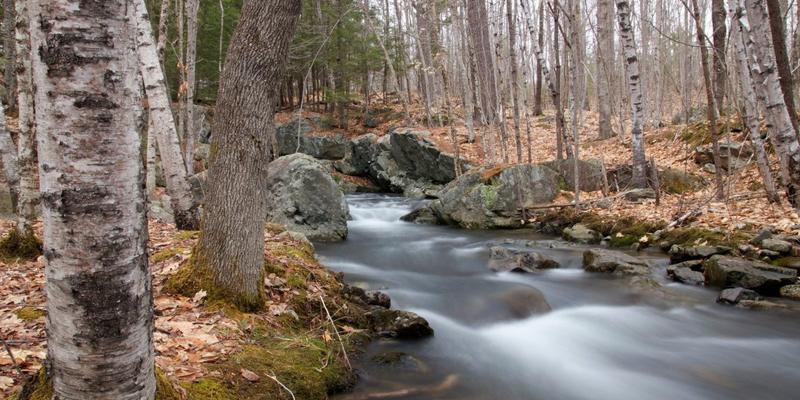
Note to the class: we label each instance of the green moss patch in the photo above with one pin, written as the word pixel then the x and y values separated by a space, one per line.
pixel 29 314
pixel 624 231
pixel 20 246
pixel 695 236
pixel 38 387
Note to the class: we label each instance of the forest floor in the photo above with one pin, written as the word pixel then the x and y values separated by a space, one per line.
pixel 209 351
pixel 671 146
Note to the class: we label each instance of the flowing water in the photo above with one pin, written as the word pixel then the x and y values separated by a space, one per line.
pixel 602 339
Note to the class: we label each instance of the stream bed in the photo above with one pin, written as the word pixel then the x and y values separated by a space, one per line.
pixel 602 340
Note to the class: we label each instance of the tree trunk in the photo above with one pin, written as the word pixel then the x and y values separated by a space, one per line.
pixel 778 31
pixel 751 106
pixel 605 65
pixel 26 155
pixel 98 285
pixel 231 245
pixel 163 20
pixel 639 179
pixel 478 28
pixel 8 157
pixel 781 132
pixel 537 96
pixel 10 52
pixel 192 8
pixel 512 55
pixel 439 58
pixel 720 70
pixel 186 212
pixel 711 105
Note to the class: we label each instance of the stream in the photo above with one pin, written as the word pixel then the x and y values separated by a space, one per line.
pixel 602 340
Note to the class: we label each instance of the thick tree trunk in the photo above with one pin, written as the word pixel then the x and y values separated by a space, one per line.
pixel 605 63
pixel 192 8
pixel 9 21
pixel 99 298
pixel 757 34
pixel 186 212
pixel 231 246
pixel 537 95
pixel 26 155
pixel 478 28
pixel 639 179
pixel 751 106
pixel 711 103
pixel 512 58
pixel 778 31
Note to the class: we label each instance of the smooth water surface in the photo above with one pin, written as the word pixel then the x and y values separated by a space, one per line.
pixel 602 339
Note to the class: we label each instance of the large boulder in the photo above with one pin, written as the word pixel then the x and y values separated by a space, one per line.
pixel 421 159
pixel 590 173
pixel 302 196
pixel 524 301
pixel 322 147
pixel 398 324
pixel 504 259
pixel 724 272
pixel 615 262
pixel 732 155
pixel 488 199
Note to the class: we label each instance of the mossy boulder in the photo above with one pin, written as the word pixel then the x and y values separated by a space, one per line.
pixel 492 198
pixel 590 173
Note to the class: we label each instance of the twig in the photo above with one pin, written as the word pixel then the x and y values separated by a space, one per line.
pixel 336 330
pixel 13 360
pixel 275 378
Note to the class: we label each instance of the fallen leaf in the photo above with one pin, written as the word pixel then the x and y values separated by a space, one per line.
pixel 199 296
pixel 250 375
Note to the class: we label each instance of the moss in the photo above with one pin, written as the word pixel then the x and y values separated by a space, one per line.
pixel 38 387
pixel 186 235
pixel 207 389
pixel 694 236
pixel 15 245
pixel 164 388
pixel 489 195
pixel 786 261
pixel 28 313
pixel 623 240
pixel 195 275
pixel 166 254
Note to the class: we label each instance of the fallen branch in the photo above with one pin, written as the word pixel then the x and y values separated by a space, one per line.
pixel 336 330
pixel 13 360
pixel 275 378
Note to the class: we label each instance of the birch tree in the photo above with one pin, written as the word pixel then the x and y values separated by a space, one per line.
pixel 230 251
pixel 98 287
pixel 192 8
pixel 10 52
pixel 755 30
pixel 512 58
pixel 639 179
pixel 605 58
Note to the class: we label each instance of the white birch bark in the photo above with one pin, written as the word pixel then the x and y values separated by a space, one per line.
pixel 186 213
pixel 192 8
pixel 99 299
pixel 635 89
pixel 26 157
pixel 755 30
pixel 750 105
pixel 8 157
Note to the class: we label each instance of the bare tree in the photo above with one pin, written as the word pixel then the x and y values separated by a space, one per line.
pixel 639 179
pixel 605 60
pixel 718 56
pixel 778 33
pixel 192 8
pixel 10 52
pixel 163 124
pixel 512 58
pixel 99 297
pixel 756 34
pixel 230 251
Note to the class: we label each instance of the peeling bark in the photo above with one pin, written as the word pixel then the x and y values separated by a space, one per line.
pixel 186 212
pixel 99 299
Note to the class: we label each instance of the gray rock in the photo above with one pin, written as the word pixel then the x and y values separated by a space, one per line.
pixel 685 275
pixel 398 324
pixel 322 147
pixel 710 168
pixel 615 262
pixel 197 183
pixel 589 171
pixel 640 194
pixel 420 159
pixel 760 236
pixel 376 298
pixel 302 196
pixel 504 259
pixel 682 253
pixel 724 271
pixel 735 295
pixel 768 254
pixel 475 201
pixel 580 233
pixel 296 236
pixel 525 301
pixel 777 245
pixel 423 215
pixel 791 292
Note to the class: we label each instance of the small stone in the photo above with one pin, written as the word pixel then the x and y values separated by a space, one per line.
pixel 250 375
pixel 710 168
pixel 504 259
pixel 776 245
pixel 768 254
pixel 580 233
pixel 685 275
pixel 735 295
pixel 791 292
pixel 377 298
pixel 764 233
pixel 640 194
